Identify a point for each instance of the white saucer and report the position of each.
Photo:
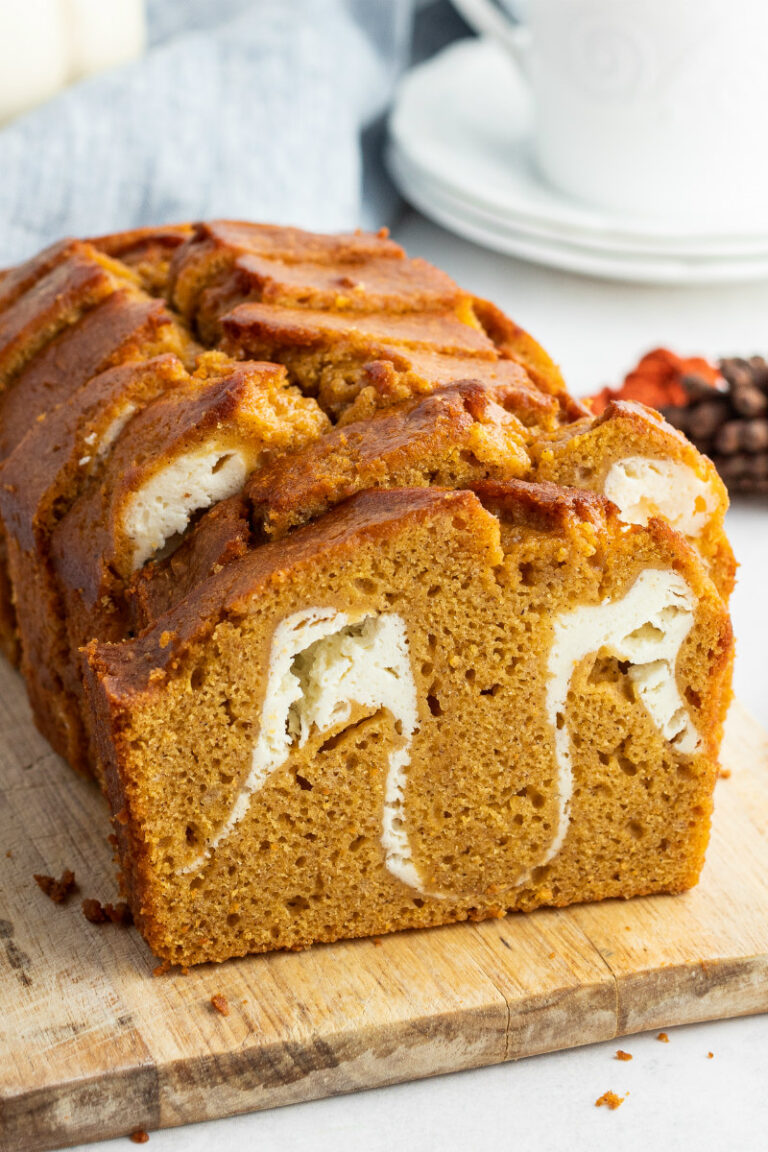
(459, 149)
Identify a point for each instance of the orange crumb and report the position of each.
(621, 1055)
(663, 1037)
(9, 854)
(139, 1136)
(724, 774)
(378, 941)
(610, 1100)
(552, 955)
(220, 1003)
(710, 1055)
(627, 927)
(184, 970)
(162, 968)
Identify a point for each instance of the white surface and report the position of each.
(679, 1098)
(461, 151)
(623, 93)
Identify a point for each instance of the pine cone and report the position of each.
(729, 421)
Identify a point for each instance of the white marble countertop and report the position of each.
(678, 1097)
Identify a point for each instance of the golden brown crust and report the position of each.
(447, 438)
(53, 301)
(222, 535)
(216, 245)
(127, 669)
(429, 388)
(124, 326)
(37, 486)
(249, 327)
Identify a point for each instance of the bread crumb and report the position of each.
(610, 1100)
(621, 1055)
(93, 911)
(9, 854)
(220, 1003)
(551, 955)
(97, 913)
(710, 1055)
(139, 1136)
(56, 890)
(161, 969)
(377, 941)
(663, 1037)
(724, 774)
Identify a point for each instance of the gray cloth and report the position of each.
(244, 108)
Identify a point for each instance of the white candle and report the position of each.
(104, 33)
(46, 44)
(34, 54)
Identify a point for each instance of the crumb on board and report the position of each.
(9, 854)
(622, 1055)
(610, 1100)
(220, 1003)
(723, 773)
(552, 955)
(710, 1055)
(57, 890)
(97, 913)
(139, 1136)
(377, 940)
(162, 968)
(663, 1037)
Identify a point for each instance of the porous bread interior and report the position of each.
(182, 752)
(306, 862)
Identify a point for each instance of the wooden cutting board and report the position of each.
(93, 1045)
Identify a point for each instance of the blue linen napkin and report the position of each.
(242, 108)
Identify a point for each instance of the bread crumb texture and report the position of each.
(359, 619)
(610, 1100)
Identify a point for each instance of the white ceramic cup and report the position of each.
(657, 108)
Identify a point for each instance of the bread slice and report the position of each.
(647, 468)
(413, 711)
(314, 569)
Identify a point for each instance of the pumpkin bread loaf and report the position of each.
(360, 620)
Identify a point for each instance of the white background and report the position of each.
(678, 1098)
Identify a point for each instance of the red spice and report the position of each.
(656, 381)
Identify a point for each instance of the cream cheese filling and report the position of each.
(642, 487)
(162, 507)
(321, 663)
(646, 627)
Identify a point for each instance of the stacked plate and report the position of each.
(460, 151)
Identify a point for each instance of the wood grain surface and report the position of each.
(93, 1045)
